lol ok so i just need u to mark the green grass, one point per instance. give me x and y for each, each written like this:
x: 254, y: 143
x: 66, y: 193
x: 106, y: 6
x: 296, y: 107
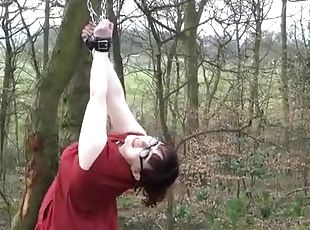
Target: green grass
x: 126, y: 202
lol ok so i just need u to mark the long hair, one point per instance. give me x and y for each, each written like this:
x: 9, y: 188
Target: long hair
x: 155, y: 182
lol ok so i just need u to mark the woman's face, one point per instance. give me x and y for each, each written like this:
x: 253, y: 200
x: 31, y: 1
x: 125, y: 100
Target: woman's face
x: 138, y: 150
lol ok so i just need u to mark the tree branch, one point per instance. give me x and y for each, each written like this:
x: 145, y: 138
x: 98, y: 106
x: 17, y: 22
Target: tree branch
x: 211, y: 131
x: 58, y: 4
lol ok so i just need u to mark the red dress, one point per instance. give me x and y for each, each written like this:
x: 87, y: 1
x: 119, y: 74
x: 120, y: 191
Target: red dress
x: 86, y: 200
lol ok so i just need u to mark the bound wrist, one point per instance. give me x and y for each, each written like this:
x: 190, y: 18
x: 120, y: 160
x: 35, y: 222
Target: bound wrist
x: 99, y: 44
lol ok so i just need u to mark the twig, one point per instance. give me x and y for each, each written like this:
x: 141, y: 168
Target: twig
x: 297, y: 190
x: 160, y: 227
x: 58, y: 4
x: 212, y: 131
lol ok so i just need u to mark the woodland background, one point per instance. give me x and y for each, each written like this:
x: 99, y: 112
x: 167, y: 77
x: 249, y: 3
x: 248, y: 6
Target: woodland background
x: 204, y: 75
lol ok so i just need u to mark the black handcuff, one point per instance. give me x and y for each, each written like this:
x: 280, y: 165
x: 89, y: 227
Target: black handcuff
x: 99, y: 44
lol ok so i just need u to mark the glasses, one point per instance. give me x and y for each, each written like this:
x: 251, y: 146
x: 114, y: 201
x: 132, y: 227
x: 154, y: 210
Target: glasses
x: 147, y: 151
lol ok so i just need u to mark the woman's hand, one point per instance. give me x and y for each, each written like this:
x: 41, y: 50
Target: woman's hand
x: 88, y: 31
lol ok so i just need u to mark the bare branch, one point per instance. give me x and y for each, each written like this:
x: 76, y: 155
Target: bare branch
x: 58, y: 4
x: 240, y: 130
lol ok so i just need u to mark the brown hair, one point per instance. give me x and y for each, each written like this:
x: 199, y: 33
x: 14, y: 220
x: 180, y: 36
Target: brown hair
x: 155, y: 182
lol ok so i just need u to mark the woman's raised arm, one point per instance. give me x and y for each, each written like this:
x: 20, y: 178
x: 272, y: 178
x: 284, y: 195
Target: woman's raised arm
x: 93, y: 134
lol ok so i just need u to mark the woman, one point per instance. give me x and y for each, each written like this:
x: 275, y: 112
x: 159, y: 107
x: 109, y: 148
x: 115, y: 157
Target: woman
x: 95, y: 171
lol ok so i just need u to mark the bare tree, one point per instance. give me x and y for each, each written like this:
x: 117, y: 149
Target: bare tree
x: 191, y: 23
x: 259, y: 10
x: 284, y: 77
x: 5, y: 99
x: 13, y: 46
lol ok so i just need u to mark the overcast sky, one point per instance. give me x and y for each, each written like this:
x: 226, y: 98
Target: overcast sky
x: 273, y: 24
x: 294, y: 10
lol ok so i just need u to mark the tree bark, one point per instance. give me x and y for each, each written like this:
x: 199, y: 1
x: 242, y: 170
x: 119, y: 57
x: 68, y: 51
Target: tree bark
x: 175, y: 101
x: 46, y: 32
x: 191, y: 65
x: 284, y: 78
x: 42, y: 142
x: 191, y: 21
x: 6, y: 86
x: 75, y: 101
x: 254, y: 108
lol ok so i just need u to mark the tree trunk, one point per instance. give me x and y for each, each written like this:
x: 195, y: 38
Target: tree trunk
x: 175, y: 101
x: 6, y: 98
x: 166, y: 132
x: 213, y: 83
x: 42, y: 144
x: 46, y: 32
x: 284, y: 78
x: 116, y: 49
x: 75, y: 101
x: 16, y: 129
x: 254, y: 109
x: 158, y: 72
x: 6, y: 87
x: 160, y: 95
x: 167, y: 82
x: 191, y: 65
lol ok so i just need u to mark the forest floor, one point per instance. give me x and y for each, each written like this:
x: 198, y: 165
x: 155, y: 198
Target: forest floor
x: 202, y: 211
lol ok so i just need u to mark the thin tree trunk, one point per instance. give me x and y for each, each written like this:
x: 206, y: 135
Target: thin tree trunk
x: 116, y: 40
x: 168, y: 76
x: 46, y: 32
x: 16, y: 131
x: 175, y: 107
x: 6, y: 87
x: 6, y: 97
x: 191, y: 65
x: 191, y: 22
x: 284, y: 77
x: 215, y: 80
x: 31, y: 41
x: 162, y: 104
x: 254, y: 109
